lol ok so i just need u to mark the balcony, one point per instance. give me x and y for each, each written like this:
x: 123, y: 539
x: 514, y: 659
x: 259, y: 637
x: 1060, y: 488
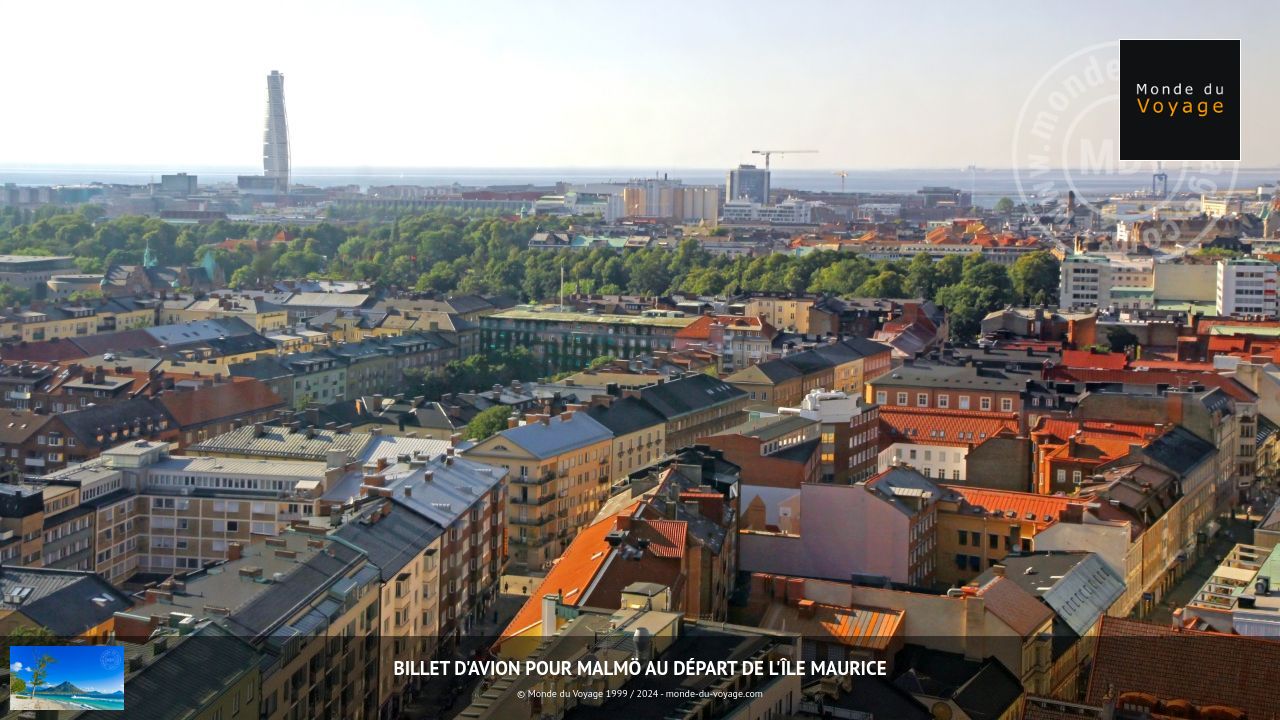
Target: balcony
x: 541, y: 479
x: 529, y: 501
x: 530, y: 521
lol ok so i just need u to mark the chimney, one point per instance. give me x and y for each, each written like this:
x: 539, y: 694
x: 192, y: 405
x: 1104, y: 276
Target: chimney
x: 549, y: 604
x: 997, y: 570
x: 805, y: 608
x: 975, y: 611
x: 234, y: 551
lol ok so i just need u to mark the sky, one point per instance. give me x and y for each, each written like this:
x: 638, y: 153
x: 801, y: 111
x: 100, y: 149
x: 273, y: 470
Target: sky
x: 512, y: 83
x: 90, y: 668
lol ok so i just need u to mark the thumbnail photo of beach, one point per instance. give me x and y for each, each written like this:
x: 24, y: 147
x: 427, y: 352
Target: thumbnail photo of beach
x: 66, y: 677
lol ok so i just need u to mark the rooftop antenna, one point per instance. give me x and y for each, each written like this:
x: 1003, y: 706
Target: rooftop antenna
x: 843, y: 174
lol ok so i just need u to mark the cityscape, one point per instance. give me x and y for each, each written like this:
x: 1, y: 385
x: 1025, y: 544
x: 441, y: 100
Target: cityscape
x: 771, y: 440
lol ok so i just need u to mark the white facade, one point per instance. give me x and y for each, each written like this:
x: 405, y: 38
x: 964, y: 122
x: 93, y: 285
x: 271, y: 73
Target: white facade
x: 1246, y: 286
x: 1092, y: 281
x: 789, y: 212
x: 944, y: 463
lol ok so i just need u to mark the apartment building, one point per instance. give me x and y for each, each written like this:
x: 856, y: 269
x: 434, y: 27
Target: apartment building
x: 639, y: 432
x: 376, y: 364
x: 928, y: 385
x: 693, y: 406
x: 261, y: 315
x: 42, y: 322
x: 843, y: 366
x: 435, y: 527
x: 1091, y: 280
x: 885, y: 526
x: 739, y: 341
x: 1246, y: 286
x: 850, y: 434
x: 937, y: 442
x: 565, y: 340
x: 32, y: 271
x: 309, y: 605
x: 558, y: 475
x: 674, y: 548
x: 979, y: 527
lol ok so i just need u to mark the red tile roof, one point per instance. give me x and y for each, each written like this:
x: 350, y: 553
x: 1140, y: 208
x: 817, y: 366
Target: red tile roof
x: 1156, y: 377
x: 700, y: 329
x: 1171, y: 663
x: 585, y: 574
x: 1094, y: 439
x: 1044, y: 508
x: 227, y: 400
x: 1090, y: 359
x: 932, y: 426
x: 572, y: 573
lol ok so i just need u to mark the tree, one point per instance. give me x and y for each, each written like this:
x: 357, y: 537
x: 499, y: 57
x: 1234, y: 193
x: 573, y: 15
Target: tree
x: 888, y: 284
x: 922, y: 277
x: 16, y: 685
x: 488, y: 423
x: 1035, y: 278
x: 40, y: 673
x: 1120, y: 338
x: 1004, y: 206
x: 600, y: 362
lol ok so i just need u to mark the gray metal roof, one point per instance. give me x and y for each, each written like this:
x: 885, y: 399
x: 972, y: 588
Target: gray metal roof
x: 67, y: 602
x: 1079, y: 586
x: 392, y: 542
x: 557, y: 435
x: 281, y: 442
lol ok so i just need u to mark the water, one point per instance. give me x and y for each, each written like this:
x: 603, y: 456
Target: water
x: 95, y: 703
x: 987, y: 185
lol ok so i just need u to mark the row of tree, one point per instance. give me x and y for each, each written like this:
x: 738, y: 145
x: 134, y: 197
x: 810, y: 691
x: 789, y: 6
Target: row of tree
x: 449, y: 252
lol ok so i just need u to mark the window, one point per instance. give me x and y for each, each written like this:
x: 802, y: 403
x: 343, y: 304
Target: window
x: 922, y: 399
x: 1006, y: 404
x: 993, y: 541
x: 1076, y: 477
x: 944, y: 401
x: 902, y: 398
x: 1062, y: 476
x: 882, y: 397
x: 961, y: 560
x: 963, y: 536
x: 975, y: 538
x: 955, y: 474
x: 985, y: 403
x: 964, y: 402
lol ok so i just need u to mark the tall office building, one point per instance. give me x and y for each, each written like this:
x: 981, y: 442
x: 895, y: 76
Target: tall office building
x: 275, y: 140
x: 748, y: 182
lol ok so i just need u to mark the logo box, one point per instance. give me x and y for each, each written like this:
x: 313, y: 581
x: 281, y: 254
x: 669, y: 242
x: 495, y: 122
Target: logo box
x: 1180, y: 100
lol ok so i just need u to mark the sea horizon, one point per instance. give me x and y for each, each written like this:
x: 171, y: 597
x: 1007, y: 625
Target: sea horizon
x: 983, y: 182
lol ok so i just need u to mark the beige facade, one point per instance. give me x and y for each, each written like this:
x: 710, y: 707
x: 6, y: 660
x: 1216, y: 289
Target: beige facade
x: 550, y: 496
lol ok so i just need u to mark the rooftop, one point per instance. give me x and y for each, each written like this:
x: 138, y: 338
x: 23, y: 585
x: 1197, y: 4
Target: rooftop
x: 932, y: 426
x: 67, y: 602
x: 536, y: 312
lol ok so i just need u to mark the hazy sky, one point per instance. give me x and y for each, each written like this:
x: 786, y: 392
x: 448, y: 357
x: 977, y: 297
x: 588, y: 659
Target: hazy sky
x: 684, y: 83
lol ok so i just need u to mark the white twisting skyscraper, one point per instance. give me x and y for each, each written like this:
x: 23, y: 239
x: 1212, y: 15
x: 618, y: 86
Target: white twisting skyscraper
x: 275, y: 140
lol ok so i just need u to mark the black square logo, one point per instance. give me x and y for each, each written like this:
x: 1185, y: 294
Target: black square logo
x: 1179, y: 99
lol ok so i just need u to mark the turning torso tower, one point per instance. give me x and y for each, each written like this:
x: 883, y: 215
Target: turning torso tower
x: 275, y: 139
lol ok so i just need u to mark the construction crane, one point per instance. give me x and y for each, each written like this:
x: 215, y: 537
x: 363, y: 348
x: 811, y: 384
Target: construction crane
x: 843, y: 174
x: 767, y: 153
